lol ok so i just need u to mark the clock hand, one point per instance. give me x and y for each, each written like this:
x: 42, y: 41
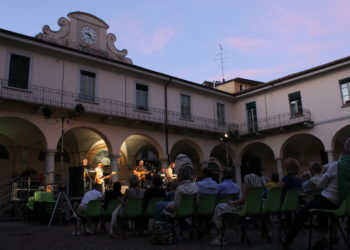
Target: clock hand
x: 88, y: 34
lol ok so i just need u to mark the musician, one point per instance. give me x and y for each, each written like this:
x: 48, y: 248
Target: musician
x: 86, y: 176
x: 169, y: 172
x: 100, y: 178
x: 140, y: 171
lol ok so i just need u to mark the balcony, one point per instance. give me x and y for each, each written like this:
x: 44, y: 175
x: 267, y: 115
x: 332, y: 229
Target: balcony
x: 272, y: 124
x: 39, y: 95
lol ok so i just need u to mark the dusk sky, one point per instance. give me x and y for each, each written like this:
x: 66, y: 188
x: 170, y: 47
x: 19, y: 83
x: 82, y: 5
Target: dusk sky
x: 261, y: 39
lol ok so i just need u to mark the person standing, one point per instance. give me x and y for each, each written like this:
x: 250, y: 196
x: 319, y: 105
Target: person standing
x: 86, y: 176
x: 100, y: 178
x: 169, y: 172
x: 140, y: 171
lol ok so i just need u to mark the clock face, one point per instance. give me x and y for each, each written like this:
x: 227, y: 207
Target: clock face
x: 88, y: 35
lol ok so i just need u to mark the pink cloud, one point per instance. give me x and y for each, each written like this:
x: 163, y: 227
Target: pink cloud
x: 157, y: 41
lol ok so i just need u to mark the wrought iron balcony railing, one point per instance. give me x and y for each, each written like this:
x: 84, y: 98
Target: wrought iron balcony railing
x: 108, y: 107
x: 280, y: 121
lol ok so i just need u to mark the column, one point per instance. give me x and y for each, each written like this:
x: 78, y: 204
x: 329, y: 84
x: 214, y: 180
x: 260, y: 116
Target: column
x: 114, y: 166
x: 238, y: 173
x: 330, y: 155
x: 279, y: 167
x: 50, y: 166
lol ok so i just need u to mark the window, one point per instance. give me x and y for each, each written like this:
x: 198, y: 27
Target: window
x: 295, y: 104
x: 141, y: 97
x: 345, y: 90
x: 87, y: 86
x: 252, y: 117
x: 19, y: 71
x: 220, y: 113
x: 185, y: 107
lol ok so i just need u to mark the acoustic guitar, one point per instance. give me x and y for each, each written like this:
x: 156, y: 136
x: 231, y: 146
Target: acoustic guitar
x: 140, y: 174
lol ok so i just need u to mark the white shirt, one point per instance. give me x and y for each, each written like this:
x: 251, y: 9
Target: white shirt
x: 329, y: 183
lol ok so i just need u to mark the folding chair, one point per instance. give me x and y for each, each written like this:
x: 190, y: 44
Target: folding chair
x: 251, y: 208
x: 342, y: 211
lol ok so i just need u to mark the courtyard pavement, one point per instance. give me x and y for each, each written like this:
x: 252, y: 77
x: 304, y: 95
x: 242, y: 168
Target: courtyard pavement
x: 20, y: 235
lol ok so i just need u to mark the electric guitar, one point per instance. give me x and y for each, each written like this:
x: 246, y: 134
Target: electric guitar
x: 101, y: 179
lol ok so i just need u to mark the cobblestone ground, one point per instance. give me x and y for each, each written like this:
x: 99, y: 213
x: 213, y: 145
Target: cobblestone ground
x: 20, y: 235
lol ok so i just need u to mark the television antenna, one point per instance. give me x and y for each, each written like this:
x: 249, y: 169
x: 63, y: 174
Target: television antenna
x: 221, y: 61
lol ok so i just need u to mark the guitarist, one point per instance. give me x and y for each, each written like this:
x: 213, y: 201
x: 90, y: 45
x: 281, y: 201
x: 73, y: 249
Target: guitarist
x: 100, y: 178
x: 140, y: 171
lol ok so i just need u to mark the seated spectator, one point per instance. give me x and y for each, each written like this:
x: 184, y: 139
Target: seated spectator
x: 156, y: 190
x: 134, y: 192
x: 275, y: 178
x: 207, y: 185
x: 291, y: 179
x: 335, y: 183
x: 309, y: 188
x: 185, y: 187
x: 113, y: 194
x: 94, y: 194
x: 252, y: 179
x: 227, y: 186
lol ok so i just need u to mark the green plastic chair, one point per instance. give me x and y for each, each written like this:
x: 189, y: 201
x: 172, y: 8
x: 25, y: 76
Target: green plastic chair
x: 111, y: 206
x: 343, y: 210
x: 132, y: 210
x: 151, y: 206
x: 186, y: 207
x: 94, y: 212
x: 270, y: 206
x: 291, y: 200
x: 251, y: 208
x: 206, y: 205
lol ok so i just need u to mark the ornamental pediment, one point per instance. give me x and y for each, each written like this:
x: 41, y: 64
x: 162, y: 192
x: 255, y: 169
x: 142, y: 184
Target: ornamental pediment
x: 85, y: 32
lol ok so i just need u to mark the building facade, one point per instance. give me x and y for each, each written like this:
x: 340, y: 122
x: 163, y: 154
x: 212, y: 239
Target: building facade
x: 133, y: 113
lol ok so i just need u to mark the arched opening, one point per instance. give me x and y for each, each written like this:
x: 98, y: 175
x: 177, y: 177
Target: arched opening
x: 265, y: 154
x: 20, y: 144
x: 134, y: 149
x: 339, y: 139
x: 81, y: 143
x: 305, y: 148
x: 186, y: 152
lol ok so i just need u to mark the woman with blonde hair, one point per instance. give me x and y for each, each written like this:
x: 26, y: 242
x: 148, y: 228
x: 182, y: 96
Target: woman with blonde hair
x: 292, y: 178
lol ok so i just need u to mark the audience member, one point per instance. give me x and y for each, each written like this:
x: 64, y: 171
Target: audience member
x: 134, y: 192
x: 207, y: 185
x: 291, y: 179
x: 94, y: 194
x: 185, y: 187
x: 309, y: 188
x: 252, y: 179
x: 113, y: 194
x: 335, y: 183
x: 227, y: 186
x: 275, y: 178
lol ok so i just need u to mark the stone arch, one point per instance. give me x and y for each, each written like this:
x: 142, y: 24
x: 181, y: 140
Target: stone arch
x: 264, y: 152
x: 338, y: 141
x: 305, y: 148
x: 78, y: 143
x: 23, y: 141
x: 136, y: 147
x: 189, y: 149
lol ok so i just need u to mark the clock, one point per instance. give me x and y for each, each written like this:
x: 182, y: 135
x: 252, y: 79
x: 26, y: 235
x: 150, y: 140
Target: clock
x: 88, y: 35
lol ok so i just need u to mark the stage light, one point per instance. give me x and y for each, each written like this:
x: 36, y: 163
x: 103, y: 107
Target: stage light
x: 79, y: 109
x: 47, y: 112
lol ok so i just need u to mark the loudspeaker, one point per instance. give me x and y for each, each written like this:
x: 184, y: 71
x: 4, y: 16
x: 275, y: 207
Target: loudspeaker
x: 76, y: 181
